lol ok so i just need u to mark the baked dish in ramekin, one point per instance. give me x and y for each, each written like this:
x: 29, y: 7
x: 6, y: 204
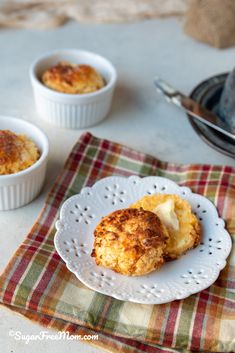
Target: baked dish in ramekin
x: 23, y: 162
x: 59, y: 103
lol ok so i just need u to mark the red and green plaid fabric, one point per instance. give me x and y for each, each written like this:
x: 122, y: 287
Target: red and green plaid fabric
x: 37, y: 284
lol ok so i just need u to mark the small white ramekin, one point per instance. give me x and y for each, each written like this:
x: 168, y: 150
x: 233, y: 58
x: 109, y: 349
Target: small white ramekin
x: 18, y: 189
x: 73, y: 111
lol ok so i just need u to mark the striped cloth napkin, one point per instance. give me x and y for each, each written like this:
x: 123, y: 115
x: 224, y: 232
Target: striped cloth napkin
x: 37, y: 284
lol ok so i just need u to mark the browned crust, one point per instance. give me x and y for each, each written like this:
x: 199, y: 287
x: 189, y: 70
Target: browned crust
x: 73, y: 79
x: 130, y: 241
x: 17, y: 152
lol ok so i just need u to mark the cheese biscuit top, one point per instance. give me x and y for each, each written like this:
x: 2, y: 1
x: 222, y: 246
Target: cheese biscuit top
x: 72, y: 78
x: 130, y: 242
x: 17, y: 152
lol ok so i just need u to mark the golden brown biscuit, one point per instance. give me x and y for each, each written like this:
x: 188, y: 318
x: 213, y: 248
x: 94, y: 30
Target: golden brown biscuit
x: 130, y: 242
x: 74, y: 79
x: 182, y: 225
x: 17, y: 152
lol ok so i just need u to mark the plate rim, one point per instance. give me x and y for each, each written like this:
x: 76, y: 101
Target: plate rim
x: 193, y: 122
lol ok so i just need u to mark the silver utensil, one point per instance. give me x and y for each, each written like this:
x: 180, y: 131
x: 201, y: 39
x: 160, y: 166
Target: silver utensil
x: 193, y: 108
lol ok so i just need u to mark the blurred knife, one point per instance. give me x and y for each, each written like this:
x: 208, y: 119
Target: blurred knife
x: 194, y: 109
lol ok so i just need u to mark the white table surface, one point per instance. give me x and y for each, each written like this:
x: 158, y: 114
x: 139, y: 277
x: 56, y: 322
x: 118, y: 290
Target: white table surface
x: 138, y: 117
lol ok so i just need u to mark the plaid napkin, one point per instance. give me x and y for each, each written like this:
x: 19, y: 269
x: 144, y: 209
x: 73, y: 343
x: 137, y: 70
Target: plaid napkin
x: 37, y: 284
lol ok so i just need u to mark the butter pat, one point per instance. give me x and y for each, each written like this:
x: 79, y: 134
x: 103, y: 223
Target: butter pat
x: 166, y: 212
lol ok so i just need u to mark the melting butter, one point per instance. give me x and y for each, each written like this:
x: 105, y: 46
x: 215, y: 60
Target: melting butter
x: 166, y: 212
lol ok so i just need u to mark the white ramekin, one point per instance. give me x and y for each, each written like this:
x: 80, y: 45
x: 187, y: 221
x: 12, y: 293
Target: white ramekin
x: 73, y: 111
x: 18, y: 189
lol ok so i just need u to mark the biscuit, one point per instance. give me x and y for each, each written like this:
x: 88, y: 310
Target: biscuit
x: 130, y: 242
x: 17, y: 152
x: 182, y: 237
x: 73, y: 79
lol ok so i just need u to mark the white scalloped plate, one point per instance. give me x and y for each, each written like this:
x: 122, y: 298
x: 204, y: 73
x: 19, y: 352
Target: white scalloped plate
x: 178, y: 279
